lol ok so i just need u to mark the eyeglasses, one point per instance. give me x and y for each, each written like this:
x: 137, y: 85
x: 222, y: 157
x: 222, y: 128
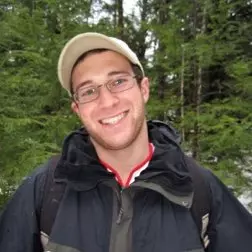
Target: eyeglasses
x: 118, y: 84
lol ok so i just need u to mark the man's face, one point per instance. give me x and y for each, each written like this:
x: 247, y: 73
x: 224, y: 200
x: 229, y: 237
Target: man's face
x: 113, y: 120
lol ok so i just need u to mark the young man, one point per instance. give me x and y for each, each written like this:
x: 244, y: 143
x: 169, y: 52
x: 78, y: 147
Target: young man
x: 127, y: 184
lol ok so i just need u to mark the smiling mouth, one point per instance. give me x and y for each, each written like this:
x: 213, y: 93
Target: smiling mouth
x: 113, y: 120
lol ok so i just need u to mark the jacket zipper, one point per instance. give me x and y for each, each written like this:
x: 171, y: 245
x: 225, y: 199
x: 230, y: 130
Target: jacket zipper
x: 121, y: 210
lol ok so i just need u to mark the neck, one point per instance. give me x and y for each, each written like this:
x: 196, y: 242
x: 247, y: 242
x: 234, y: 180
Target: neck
x: 126, y: 159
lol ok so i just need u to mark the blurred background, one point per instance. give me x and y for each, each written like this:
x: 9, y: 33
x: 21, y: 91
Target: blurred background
x: 197, y: 54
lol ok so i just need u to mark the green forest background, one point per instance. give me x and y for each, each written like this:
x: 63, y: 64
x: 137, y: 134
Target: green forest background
x: 197, y: 54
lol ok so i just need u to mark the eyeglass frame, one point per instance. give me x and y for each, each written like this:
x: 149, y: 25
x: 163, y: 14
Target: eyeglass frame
x: 75, y: 97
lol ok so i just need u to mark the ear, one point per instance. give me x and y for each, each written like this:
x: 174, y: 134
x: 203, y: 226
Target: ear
x: 75, y: 108
x: 145, y: 89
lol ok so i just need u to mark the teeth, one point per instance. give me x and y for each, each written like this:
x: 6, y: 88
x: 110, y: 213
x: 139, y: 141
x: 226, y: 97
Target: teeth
x: 113, y: 120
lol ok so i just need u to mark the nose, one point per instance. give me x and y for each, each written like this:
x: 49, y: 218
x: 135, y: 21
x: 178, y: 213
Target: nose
x: 106, y: 98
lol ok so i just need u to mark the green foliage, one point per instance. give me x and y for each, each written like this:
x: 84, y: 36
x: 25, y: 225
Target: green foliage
x: 210, y: 42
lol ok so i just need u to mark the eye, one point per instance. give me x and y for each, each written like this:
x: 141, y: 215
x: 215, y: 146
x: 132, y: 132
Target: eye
x: 120, y: 81
x: 87, y: 92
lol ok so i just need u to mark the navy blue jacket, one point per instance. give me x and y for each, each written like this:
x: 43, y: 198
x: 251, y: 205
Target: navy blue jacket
x: 96, y: 215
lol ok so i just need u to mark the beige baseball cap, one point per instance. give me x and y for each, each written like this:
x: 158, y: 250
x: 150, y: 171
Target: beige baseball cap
x: 85, y: 42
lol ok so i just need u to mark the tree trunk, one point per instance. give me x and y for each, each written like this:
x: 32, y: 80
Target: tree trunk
x: 182, y: 97
x: 198, y: 88
x: 163, y: 19
x: 143, y: 31
x: 195, y: 142
x: 120, y: 23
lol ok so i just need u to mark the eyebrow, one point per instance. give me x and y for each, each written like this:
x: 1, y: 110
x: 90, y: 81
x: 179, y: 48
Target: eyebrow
x: 110, y: 74
x: 84, y: 83
x: 117, y: 72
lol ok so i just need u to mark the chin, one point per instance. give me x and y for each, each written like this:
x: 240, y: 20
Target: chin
x: 114, y: 142
x: 120, y: 144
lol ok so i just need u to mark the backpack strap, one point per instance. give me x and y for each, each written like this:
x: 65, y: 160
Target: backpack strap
x: 52, y: 195
x: 201, y: 206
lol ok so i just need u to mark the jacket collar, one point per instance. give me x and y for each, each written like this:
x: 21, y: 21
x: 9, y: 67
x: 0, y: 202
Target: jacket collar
x: 80, y: 168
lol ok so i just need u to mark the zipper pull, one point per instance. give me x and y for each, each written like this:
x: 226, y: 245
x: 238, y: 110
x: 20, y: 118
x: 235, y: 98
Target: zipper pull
x: 120, y: 215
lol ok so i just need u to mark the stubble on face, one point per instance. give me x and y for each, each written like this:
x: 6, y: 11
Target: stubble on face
x: 132, y: 100
x: 138, y: 126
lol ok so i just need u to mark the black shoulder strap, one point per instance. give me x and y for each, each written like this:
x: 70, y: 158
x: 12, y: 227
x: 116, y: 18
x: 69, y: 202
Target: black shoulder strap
x: 201, y: 206
x: 52, y: 196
